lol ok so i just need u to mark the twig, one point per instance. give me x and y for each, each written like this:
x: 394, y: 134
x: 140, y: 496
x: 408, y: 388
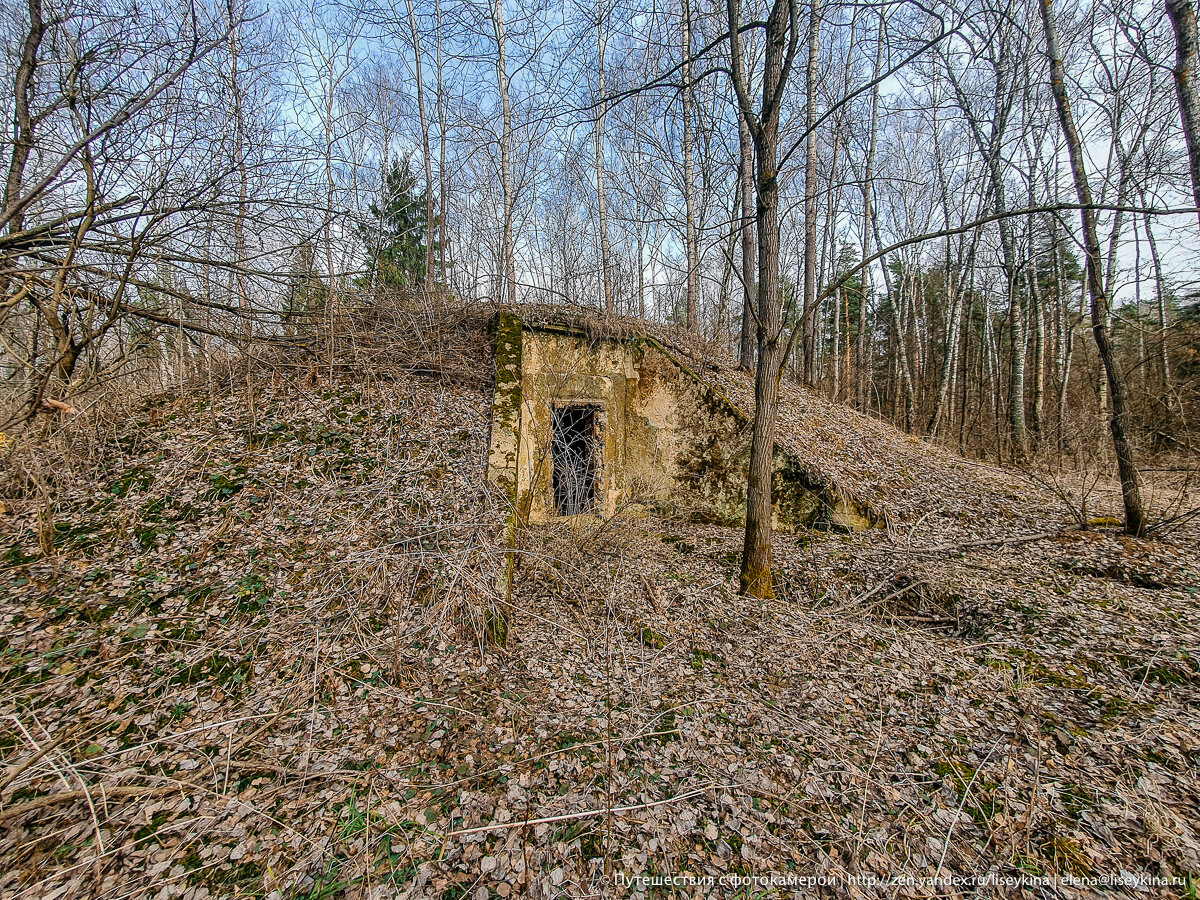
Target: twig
x: 312, y: 721
x: 208, y: 726
x: 245, y: 742
x: 1147, y: 675
x: 652, y: 594
x: 998, y: 542
x: 116, y: 793
x: 228, y: 757
x: 961, y: 804
x: 587, y: 814
x: 83, y: 784
x: 15, y: 770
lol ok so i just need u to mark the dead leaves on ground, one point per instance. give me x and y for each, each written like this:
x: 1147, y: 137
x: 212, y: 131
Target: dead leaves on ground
x: 255, y: 668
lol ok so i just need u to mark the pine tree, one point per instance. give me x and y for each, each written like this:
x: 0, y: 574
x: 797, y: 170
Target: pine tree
x: 307, y: 293
x: 395, y: 236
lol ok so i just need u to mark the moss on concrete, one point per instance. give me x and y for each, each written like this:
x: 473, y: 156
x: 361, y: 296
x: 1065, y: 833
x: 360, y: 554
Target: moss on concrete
x: 503, y: 451
x: 506, y: 405
x: 670, y: 436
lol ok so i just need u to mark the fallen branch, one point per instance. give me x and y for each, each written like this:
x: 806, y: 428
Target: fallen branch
x: 998, y: 542
x: 116, y: 793
x: 586, y: 814
x: 15, y: 770
x: 247, y: 741
x: 961, y: 804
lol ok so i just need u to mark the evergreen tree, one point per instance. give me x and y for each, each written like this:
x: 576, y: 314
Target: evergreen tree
x: 395, y: 235
x: 307, y: 293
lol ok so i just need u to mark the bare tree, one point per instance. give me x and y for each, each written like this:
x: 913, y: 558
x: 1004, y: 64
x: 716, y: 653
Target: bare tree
x: 92, y: 205
x: 598, y: 131
x: 781, y: 36
x: 1003, y: 47
x: 1182, y: 14
x: 1135, y: 520
x: 810, y: 195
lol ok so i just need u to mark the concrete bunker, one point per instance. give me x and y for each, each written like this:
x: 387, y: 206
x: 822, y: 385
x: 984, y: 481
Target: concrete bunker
x: 587, y: 425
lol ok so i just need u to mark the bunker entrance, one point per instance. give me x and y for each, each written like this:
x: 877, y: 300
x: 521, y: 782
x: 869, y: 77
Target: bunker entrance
x: 575, y: 456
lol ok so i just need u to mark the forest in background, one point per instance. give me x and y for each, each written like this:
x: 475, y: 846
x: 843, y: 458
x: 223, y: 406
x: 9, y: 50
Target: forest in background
x: 185, y: 181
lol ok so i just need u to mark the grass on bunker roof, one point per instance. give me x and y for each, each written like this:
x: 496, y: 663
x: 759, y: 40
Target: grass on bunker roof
x: 253, y: 666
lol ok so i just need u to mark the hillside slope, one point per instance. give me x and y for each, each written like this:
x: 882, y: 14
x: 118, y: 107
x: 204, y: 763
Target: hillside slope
x: 254, y: 665
x: 903, y: 480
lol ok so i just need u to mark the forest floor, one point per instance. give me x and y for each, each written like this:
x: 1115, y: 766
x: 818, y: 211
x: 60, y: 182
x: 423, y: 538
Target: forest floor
x: 252, y: 664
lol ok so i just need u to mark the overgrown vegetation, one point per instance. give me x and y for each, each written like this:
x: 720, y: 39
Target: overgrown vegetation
x: 298, y: 686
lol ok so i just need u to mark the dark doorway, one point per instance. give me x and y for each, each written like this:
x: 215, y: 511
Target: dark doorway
x: 574, y: 456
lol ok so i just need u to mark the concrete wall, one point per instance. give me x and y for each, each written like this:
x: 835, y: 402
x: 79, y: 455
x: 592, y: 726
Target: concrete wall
x: 669, y: 440
x: 565, y: 370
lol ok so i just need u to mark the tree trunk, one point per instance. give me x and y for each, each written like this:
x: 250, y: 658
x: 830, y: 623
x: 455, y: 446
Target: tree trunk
x: 746, y: 179
x: 443, y: 187
x: 430, y: 225
x: 509, y: 263
x: 965, y: 357
x: 948, y: 358
x: 601, y: 204
x: 837, y: 344
x: 1039, y: 352
x: 1131, y: 492
x: 22, y: 147
x: 780, y: 37
x: 1183, y: 20
x: 894, y: 298
x: 688, y: 176
x: 237, y: 278
x: 901, y: 321
x: 809, y: 328
x: 1068, y: 359
x: 23, y: 91
x: 953, y: 293
x: 1057, y: 313
x: 1016, y: 347
x: 861, y: 374
x: 727, y: 268
x: 860, y: 338
x: 1160, y: 298
x: 756, y: 578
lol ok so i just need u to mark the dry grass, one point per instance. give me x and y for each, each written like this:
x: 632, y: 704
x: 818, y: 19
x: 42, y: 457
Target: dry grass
x: 253, y: 663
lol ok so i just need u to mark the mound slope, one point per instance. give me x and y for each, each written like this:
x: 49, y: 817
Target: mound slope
x: 253, y: 663
x: 902, y: 479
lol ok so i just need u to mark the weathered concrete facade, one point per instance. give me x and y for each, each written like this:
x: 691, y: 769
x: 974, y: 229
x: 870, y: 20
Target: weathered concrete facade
x: 663, y: 437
